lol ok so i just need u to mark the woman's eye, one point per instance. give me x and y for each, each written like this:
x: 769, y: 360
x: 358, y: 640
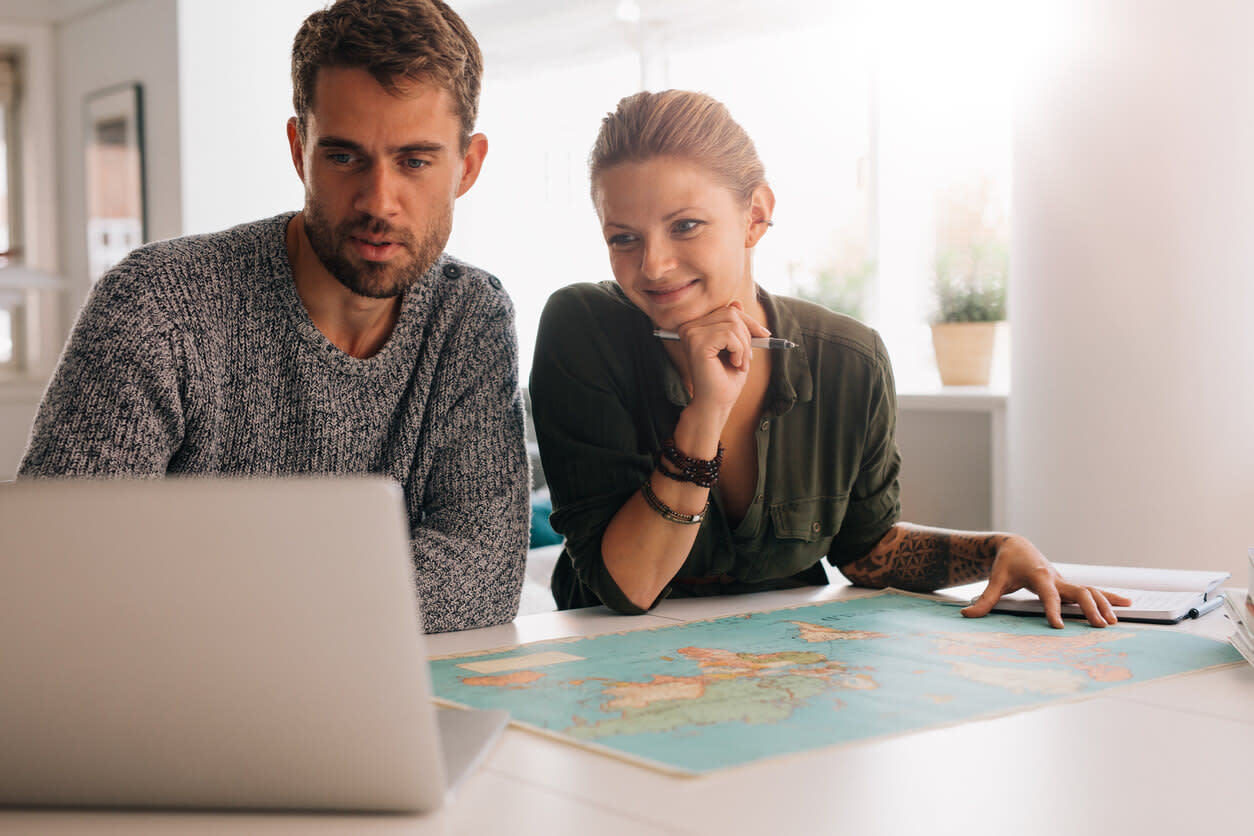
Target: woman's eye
x: 685, y: 226
x: 621, y: 241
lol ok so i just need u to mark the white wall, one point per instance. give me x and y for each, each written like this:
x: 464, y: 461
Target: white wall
x: 130, y: 41
x: 235, y: 96
x: 947, y: 462
x: 1130, y: 432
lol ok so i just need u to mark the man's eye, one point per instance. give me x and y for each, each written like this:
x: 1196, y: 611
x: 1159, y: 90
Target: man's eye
x: 415, y: 163
x: 340, y: 158
x: 685, y: 226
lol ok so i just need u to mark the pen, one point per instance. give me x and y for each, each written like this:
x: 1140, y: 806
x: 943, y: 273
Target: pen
x: 756, y: 342
x: 1206, y: 606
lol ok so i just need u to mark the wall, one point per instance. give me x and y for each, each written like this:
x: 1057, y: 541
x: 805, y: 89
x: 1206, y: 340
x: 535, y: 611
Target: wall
x: 951, y: 460
x: 130, y: 41
x: 235, y: 96
x: 1130, y: 427
x: 217, y: 95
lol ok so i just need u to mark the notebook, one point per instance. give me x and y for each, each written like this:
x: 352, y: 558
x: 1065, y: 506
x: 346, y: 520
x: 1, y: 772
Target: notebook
x: 219, y: 644
x: 1159, y: 596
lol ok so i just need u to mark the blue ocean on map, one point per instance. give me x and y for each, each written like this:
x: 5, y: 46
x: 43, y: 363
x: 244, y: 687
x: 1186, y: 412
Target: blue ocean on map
x: 706, y: 695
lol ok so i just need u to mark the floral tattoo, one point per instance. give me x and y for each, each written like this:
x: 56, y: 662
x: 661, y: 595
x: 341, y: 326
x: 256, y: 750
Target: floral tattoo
x: 919, y: 559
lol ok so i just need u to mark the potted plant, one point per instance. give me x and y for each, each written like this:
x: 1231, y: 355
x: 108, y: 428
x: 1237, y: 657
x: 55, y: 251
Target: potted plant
x: 970, y: 291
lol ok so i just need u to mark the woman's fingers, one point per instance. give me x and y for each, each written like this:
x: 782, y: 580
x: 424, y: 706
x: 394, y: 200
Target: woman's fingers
x: 756, y: 329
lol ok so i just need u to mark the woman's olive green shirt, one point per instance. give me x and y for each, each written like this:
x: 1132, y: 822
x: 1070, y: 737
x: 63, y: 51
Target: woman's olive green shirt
x: 605, y: 395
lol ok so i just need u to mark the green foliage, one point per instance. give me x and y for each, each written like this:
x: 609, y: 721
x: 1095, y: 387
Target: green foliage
x: 972, y: 254
x: 840, y: 290
x: 971, y: 286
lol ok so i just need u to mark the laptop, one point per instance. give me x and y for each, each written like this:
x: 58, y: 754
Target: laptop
x: 219, y: 644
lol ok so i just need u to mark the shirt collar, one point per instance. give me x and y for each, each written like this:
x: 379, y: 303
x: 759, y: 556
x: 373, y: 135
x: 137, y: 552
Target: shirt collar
x: 791, y: 380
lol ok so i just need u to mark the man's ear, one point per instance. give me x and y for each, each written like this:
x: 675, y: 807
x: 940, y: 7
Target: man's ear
x: 472, y: 162
x: 761, y: 208
x: 297, y: 143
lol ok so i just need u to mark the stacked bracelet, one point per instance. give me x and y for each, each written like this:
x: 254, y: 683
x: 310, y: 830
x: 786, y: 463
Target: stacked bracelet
x: 701, y: 472
x: 667, y: 512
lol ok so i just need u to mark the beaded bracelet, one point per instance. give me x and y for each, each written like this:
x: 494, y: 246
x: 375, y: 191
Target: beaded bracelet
x: 701, y: 472
x: 667, y: 512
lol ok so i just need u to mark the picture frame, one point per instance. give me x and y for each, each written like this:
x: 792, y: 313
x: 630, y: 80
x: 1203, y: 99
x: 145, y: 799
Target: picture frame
x: 113, y: 150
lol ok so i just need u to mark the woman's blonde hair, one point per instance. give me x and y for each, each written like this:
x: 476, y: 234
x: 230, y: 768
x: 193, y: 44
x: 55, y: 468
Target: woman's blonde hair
x: 683, y: 124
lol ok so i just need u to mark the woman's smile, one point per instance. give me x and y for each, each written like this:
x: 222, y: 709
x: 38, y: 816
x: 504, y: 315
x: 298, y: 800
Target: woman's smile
x: 671, y: 293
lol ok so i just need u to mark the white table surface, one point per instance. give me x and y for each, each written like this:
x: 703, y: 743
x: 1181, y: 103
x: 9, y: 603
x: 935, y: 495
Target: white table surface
x: 1173, y: 756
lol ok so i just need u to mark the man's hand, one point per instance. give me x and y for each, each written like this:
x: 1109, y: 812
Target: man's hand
x: 1020, y: 565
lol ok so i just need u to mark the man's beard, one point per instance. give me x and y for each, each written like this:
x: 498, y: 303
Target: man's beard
x: 376, y: 280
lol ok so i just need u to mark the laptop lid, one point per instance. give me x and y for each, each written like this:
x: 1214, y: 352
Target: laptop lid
x: 213, y: 643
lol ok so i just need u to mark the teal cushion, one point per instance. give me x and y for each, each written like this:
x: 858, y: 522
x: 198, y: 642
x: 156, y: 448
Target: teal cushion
x: 542, y: 534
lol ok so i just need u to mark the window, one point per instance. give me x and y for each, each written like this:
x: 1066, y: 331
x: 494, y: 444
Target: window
x: 942, y: 146
x: 879, y: 125
x: 10, y: 298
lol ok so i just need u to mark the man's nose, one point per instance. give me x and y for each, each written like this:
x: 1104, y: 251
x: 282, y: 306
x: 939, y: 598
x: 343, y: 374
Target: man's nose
x: 379, y: 192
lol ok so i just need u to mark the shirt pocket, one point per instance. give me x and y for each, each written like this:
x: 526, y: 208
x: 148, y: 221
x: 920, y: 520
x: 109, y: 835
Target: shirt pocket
x: 811, y: 519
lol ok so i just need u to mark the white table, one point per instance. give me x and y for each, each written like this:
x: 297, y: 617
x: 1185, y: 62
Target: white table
x: 1173, y: 756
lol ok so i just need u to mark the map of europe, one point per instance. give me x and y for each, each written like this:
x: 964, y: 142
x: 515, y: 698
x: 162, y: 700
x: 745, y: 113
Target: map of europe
x: 705, y: 695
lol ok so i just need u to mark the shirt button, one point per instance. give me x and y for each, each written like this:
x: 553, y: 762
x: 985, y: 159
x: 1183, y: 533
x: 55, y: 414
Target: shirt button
x: 762, y: 426
x: 452, y: 271
x: 815, y: 528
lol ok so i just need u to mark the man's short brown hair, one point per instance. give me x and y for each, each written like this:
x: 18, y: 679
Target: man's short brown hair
x: 396, y: 41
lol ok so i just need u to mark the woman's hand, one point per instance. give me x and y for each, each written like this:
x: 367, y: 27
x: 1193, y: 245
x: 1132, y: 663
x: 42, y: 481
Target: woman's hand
x: 719, y: 351
x: 1020, y: 565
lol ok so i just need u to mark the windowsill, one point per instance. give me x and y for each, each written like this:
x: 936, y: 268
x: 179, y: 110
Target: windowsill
x: 954, y: 398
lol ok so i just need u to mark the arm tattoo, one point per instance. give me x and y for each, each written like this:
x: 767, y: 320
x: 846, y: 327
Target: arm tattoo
x: 920, y: 559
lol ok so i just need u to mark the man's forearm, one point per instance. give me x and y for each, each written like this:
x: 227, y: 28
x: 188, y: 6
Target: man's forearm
x: 463, y: 583
x: 922, y: 559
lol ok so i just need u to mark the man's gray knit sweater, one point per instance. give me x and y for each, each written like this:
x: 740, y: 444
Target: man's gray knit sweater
x: 196, y: 356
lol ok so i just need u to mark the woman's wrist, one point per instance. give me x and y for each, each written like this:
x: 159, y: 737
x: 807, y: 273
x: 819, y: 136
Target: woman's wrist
x: 699, y: 430
x: 678, y: 466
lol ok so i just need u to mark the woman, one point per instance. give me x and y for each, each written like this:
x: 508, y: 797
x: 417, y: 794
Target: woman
x: 700, y: 464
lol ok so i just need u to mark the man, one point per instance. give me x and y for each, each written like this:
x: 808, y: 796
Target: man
x: 339, y: 339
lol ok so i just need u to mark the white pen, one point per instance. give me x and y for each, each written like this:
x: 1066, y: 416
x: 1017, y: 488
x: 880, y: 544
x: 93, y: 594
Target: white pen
x: 1205, y: 607
x: 756, y: 342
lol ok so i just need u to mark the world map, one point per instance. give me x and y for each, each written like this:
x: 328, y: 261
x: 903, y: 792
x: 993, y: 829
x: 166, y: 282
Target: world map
x: 706, y: 695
